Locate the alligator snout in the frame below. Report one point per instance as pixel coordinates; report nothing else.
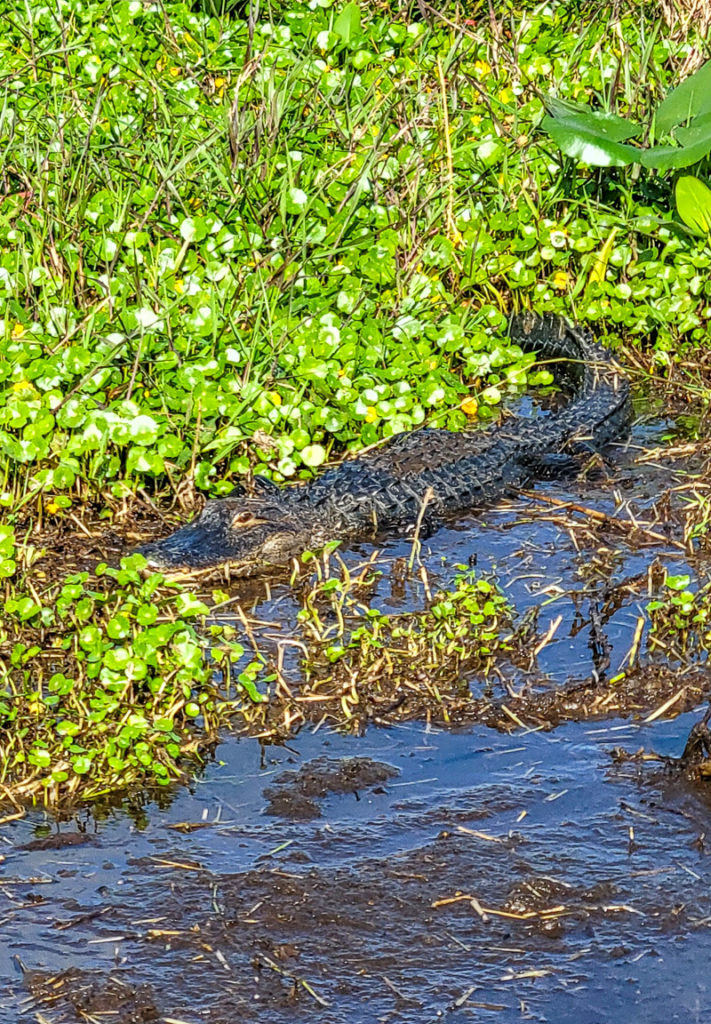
(239, 532)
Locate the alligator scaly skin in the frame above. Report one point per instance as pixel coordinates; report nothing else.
(427, 474)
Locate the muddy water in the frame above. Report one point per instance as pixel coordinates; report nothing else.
(457, 876)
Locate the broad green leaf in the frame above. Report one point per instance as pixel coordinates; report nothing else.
(666, 158)
(347, 24)
(613, 127)
(589, 145)
(678, 582)
(698, 131)
(690, 98)
(693, 203)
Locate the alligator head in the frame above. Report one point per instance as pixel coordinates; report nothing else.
(248, 533)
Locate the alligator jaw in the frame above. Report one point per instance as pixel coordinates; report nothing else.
(244, 534)
(225, 569)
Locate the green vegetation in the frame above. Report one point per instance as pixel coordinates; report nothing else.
(363, 662)
(464, 623)
(111, 685)
(598, 137)
(680, 619)
(227, 251)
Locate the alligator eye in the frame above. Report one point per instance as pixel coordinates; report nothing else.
(245, 518)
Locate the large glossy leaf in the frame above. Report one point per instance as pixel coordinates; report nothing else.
(588, 144)
(699, 129)
(611, 126)
(665, 158)
(689, 99)
(693, 203)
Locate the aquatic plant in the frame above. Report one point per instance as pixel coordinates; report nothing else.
(230, 248)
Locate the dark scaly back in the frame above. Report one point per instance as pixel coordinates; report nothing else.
(599, 409)
(420, 476)
(459, 471)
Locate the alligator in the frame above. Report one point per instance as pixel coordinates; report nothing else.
(415, 480)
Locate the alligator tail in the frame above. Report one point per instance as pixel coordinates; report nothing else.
(600, 408)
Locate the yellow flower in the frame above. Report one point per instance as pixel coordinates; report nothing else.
(175, 72)
(560, 280)
(371, 414)
(506, 96)
(18, 331)
(274, 397)
(180, 286)
(52, 507)
(482, 67)
(23, 385)
(470, 406)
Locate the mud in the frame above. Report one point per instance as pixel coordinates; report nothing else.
(294, 794)
(76, 992)
(59, 840)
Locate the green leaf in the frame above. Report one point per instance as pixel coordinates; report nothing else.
(613, 127)
(118, 627)
(188, 605)
(693, 203)
(690, 98)
(347, 24)
(697, 131)
(678, 582)
(296, 200)
(490, 152)
(666, 158)
(313, 455)
(588, 142)
(163, 724)
(250, 688)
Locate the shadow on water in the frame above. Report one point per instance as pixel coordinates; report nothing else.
(440, 876)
